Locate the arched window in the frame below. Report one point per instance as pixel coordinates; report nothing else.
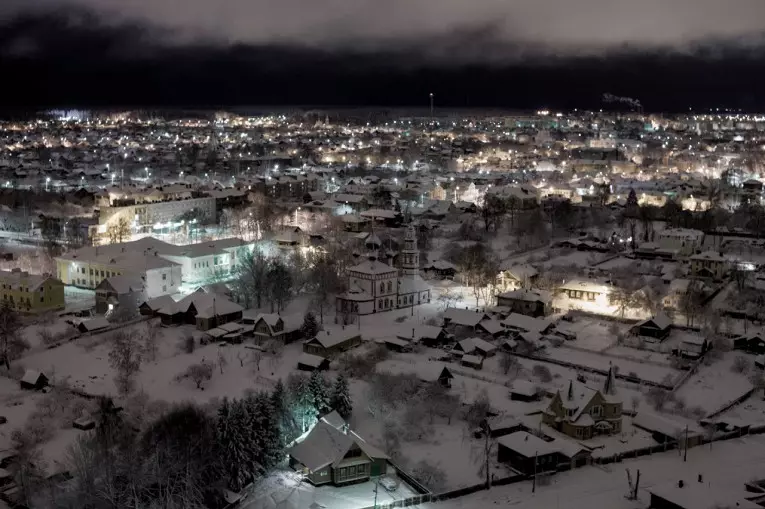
(380, 305)
(389, 285)
(382, 287)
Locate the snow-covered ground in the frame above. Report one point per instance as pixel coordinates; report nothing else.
(728, 465)
(645, 371)
(714, 385)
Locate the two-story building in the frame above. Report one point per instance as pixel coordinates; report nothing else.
(332, 453)
(29, 293)
(526, 302)
(709, 264)
(582, 412)
(681, 241)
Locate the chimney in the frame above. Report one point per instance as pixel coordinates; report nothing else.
(701, 478)
(680, 483)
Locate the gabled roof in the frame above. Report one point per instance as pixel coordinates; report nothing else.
(525, 323)
(330, 338)
(465, 317)
(660, 321)
(327, 445)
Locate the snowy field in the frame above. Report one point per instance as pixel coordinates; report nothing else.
(714, 385)
(593, 334)
(84, 364)
(645, 371)
(728, 465)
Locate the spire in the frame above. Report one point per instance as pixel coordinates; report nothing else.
(610, 386)
(570, 390)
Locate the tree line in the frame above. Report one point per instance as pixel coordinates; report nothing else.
(189, 455)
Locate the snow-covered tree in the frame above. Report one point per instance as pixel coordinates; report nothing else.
(231, 438)
(125, 358)
(301, 402)
(309, 328)
(341, 397)
(317, 387)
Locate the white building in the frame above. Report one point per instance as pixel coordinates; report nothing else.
(164, 267)
(375, 286)
(147, 213)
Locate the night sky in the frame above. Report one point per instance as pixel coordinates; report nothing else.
(478, 53)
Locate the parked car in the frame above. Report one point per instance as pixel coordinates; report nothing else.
(388, 483)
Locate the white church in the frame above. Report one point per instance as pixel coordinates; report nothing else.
(375, 286)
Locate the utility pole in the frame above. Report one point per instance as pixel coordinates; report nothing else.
(377, 487)
(431, 106)
(534, 484)
(685, 454)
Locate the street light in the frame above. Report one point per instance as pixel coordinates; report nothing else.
(47, 180)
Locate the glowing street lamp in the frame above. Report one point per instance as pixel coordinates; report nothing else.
(47, 180)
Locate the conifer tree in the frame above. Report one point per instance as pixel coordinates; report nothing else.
(317, 387)
(310, 327)
(232, 444)
(341, 397)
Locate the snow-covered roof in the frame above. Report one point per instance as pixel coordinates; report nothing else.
(330, 338)
(465, 317)
(308, 359)
(663, 424)
(527, 295)
(525, 323)
(31, 376)
(703, 495)
(526, 444)
(373, 267)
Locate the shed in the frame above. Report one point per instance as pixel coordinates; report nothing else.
(523, 390)
(84, 423)
(33, 380)
(527, 453)
(473, 361)
(94, 324)
(310, 362)
(657, 327)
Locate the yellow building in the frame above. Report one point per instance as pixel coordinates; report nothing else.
(31, 294)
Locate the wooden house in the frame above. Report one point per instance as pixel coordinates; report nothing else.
(526, 302)
(527, 453)
(332, 342)
(582, 412)
(753, 342)
(657, 327)
(269, 326)
(331, 453)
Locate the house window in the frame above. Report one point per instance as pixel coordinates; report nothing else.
(361, 469)
(380, 304)
(596, 411)
(164, 277)
(351, 470)
(579, 432)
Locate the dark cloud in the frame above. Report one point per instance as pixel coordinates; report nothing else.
(536, 26)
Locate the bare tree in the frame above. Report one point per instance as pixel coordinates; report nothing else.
(12, 344)
(508, 362)
(152, 332)
(119, 231)
(199, 373)
(125, 359)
